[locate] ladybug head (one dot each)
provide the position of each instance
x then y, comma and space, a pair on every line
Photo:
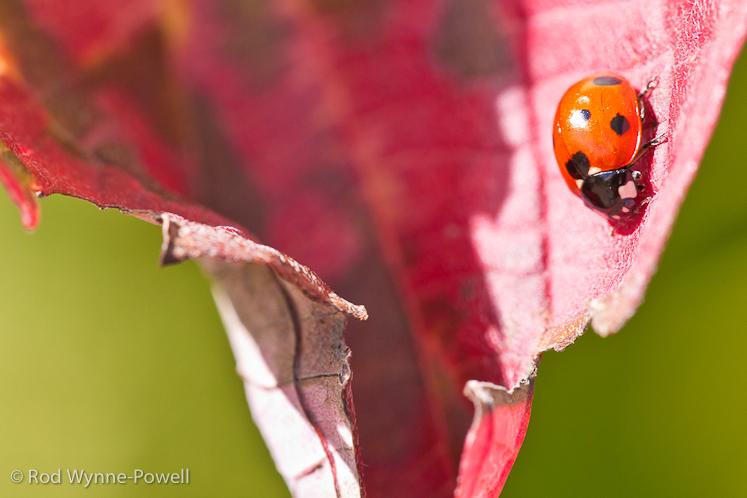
612, 193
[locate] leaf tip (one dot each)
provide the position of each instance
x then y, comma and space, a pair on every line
170, 233
21, 186
495, 438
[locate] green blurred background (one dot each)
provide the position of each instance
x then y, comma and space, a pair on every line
110, 363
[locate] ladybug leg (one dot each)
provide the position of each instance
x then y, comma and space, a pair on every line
653, 83
614, 228
653, 143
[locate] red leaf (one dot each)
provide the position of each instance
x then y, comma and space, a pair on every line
399, 148
17, 180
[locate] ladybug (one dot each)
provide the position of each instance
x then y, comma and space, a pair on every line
597, 138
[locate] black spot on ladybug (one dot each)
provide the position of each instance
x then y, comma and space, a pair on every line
607, 81
619, 124
580, 117
578, 166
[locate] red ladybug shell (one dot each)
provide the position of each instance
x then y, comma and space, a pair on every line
600, 118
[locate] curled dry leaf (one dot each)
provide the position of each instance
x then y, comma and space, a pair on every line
294, 363
285, 327
401, 149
